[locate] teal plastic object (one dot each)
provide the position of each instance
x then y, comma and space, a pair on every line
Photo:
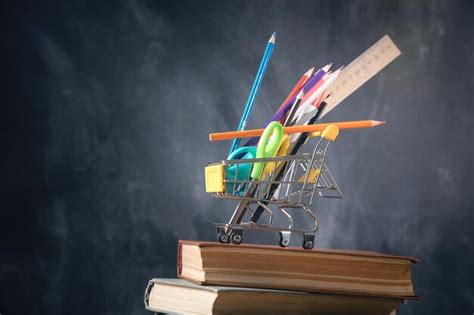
242, 170
267, 146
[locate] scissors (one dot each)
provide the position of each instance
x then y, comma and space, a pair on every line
282, 151
272, 142
268, 146
240, 171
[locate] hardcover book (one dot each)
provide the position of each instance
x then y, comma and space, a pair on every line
354, 273
183, 297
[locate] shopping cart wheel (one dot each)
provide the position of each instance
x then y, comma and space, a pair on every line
308, 241
236, 236
222, 236
284, 238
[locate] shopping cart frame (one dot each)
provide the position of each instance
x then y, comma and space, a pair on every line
294, 192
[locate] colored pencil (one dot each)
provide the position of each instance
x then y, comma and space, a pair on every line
256, 84
308, 84
306, 109
301, 82
218, 136
287, 104
293, 109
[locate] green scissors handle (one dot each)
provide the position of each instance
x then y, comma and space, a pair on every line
267, 146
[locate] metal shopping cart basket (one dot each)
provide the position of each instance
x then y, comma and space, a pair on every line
286, 182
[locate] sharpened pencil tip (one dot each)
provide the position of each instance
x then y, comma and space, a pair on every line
272, 39
309, 72
327, 67
379, 123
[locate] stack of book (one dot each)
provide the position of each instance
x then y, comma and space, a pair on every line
217, 278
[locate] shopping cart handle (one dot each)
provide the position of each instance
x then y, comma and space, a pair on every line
314, 134
330, 133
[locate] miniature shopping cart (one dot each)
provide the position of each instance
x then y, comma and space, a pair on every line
286, 182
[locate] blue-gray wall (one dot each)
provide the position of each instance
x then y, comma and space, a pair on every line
106, 110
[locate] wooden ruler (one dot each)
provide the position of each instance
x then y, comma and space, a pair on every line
360, 71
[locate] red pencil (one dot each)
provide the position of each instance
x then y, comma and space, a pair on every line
298, 86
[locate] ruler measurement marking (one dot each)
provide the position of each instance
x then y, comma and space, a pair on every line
361, 70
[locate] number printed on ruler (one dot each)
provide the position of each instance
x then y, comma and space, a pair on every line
361, 70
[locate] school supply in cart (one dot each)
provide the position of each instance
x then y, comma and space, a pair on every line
359, 71
298, 86
253, 92
355, 124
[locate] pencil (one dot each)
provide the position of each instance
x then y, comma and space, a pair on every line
318, 75
288, 103
256, 84
298, 86
281, 171
294, 107
305, 111
328, 79
218, 136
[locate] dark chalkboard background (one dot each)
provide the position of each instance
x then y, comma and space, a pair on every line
106, 110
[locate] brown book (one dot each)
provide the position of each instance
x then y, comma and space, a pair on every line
343, 272
183, 297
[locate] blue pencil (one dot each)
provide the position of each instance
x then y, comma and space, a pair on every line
256, 84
